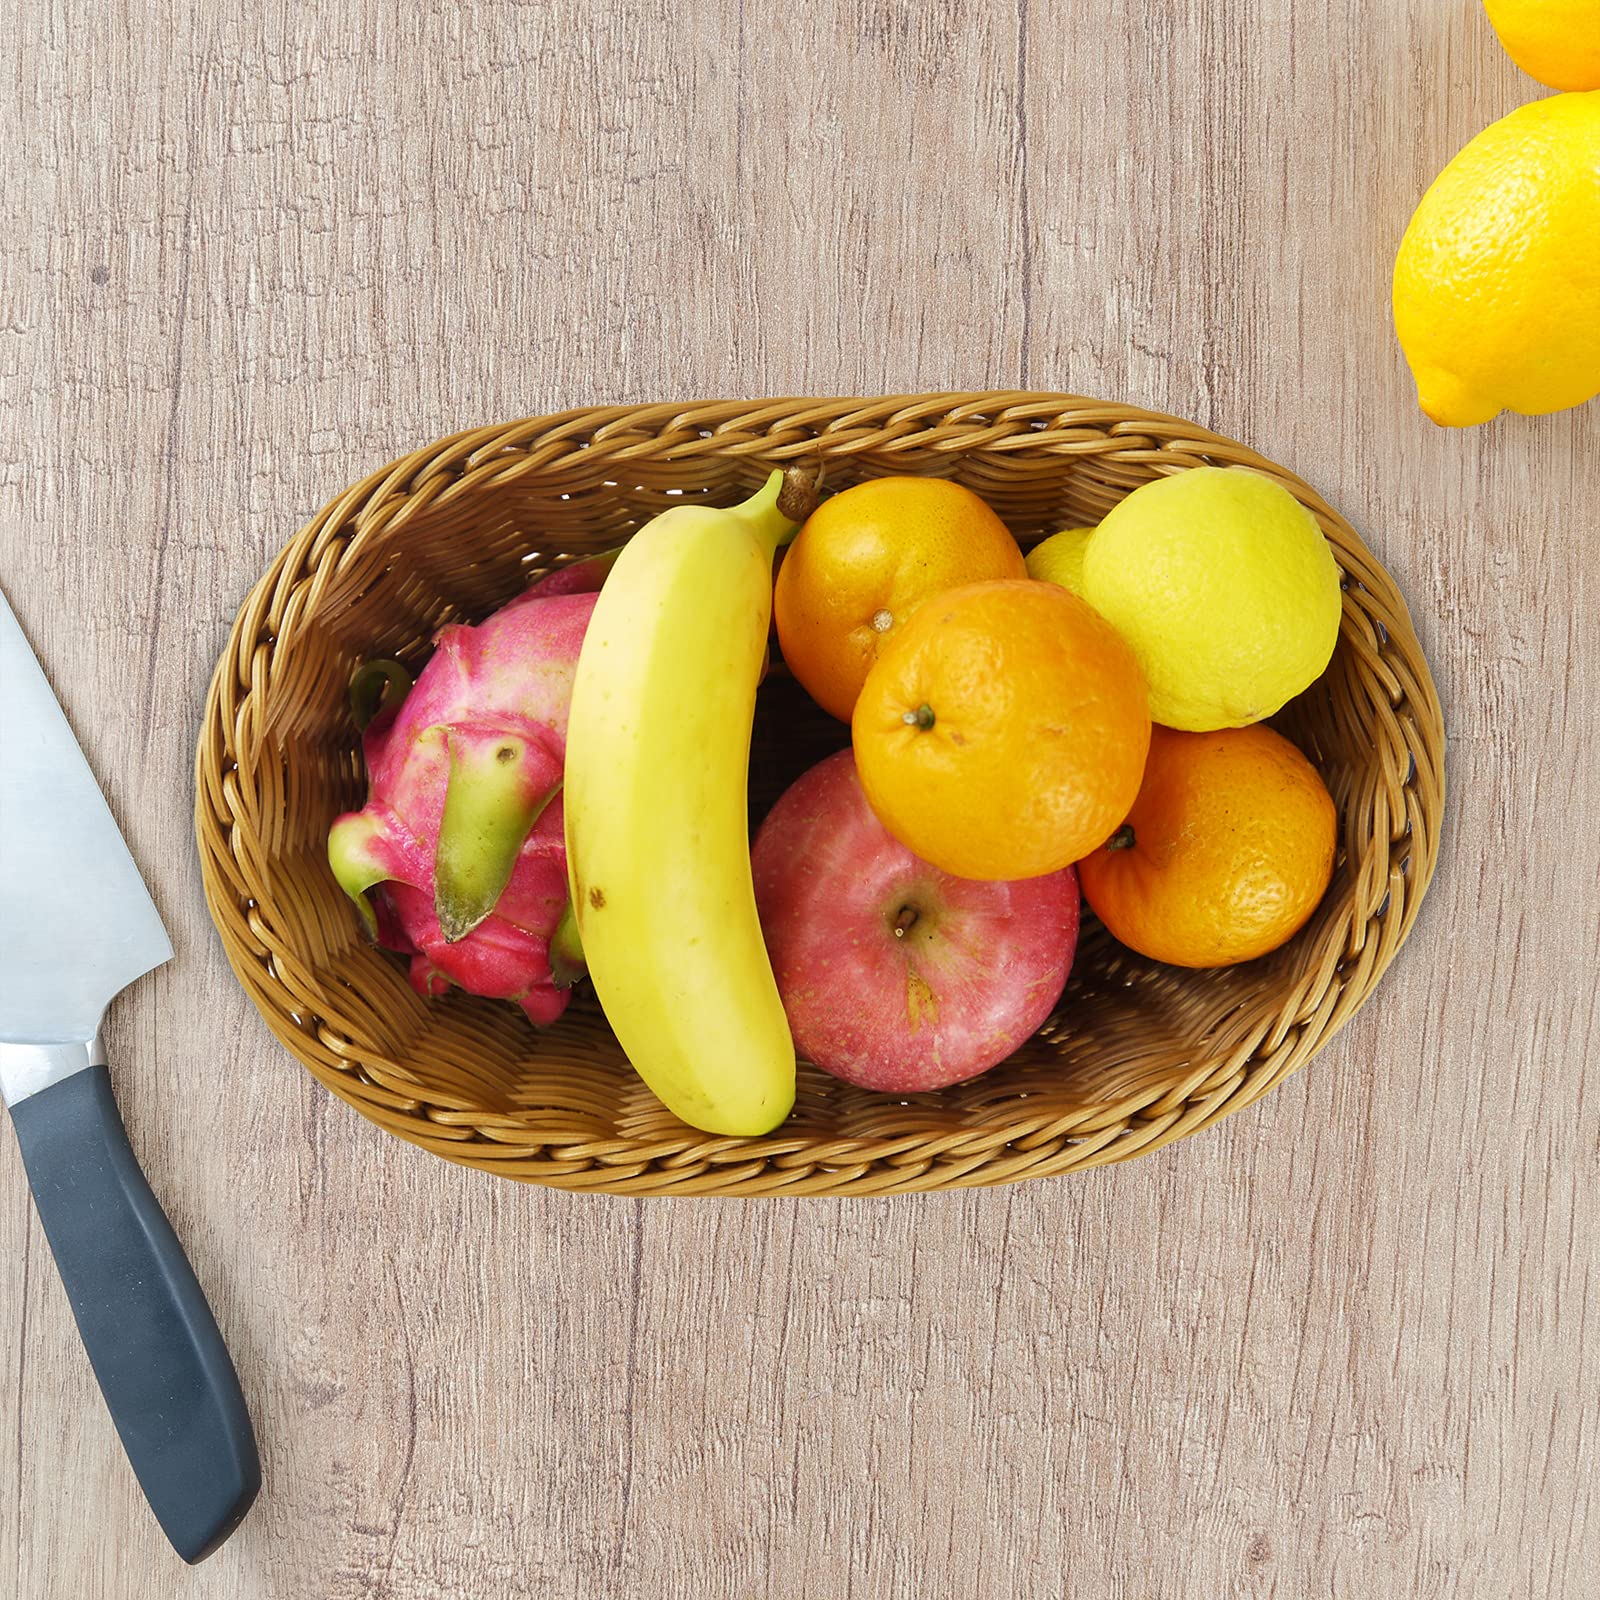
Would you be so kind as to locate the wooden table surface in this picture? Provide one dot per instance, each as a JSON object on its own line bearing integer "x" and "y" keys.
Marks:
{"x": 1342, "y": 1345}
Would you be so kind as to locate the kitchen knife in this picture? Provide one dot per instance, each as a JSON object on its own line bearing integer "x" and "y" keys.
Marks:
{"x": 77, "y": 926}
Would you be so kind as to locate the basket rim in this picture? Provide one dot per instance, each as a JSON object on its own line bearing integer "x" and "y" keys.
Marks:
{"x": 776, "y": 430}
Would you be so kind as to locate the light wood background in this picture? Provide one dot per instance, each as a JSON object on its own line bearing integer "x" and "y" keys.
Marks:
{"x": 1344, "y": 1345}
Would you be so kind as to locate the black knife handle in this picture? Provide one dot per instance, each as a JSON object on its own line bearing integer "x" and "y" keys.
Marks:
{"x": 151, "y": 1337}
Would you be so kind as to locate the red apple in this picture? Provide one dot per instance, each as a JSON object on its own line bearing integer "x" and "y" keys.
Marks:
{"x": 895, "y": 975}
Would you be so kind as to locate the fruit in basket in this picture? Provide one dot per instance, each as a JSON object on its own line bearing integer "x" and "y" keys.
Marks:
{"x": 1555, "y": 41}
{"x": 657, "y": 817}
{"x": 1497, "y": 280}
{"x": 897, "y": 976}
{"x": 1002, "y": 734}
{"x": 865, "y": 561}
{"x": 1059, "y": 559}
{"x": 1226, "y": 589}
{"x": 458, "y": 859}
{"x": 1225, "y": 854}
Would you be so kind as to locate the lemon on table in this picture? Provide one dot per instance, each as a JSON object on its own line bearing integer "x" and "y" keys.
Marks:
{"x": 1059, "y": 559}
{"x": 1497, "y": 281}
{"x": 1555, "y": 41}
{"x": 1225, "y": 587}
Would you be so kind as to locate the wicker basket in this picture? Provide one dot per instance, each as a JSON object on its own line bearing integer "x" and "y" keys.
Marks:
{"x": 1138, "y": 1054}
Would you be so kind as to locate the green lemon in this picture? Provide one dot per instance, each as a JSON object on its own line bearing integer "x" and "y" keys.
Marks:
{"x": 1224, "y": 586}
{"x": 1059, "y": 559}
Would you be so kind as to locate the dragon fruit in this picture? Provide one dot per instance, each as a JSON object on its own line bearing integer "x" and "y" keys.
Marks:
{"x": 458, "y": 859}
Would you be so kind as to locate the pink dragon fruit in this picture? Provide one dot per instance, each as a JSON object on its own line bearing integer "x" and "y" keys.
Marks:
{"x": 458, "y": 859}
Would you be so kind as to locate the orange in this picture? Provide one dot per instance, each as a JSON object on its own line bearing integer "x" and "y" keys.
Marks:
{"x": 1003, "y": 731}
{"x": 1225, "y": 853}
{"x": 862, "y": 565}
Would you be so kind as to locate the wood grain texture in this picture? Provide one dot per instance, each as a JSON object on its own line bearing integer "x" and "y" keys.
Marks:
{"x": 1340, "y": 1345}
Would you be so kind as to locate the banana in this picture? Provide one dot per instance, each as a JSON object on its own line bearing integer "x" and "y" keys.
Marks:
{"x": 656, "y": 807}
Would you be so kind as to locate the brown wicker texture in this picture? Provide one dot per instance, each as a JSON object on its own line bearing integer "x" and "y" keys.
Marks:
{"x": 1137, "y": 1055}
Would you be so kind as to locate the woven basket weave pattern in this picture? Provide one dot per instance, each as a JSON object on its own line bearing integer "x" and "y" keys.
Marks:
{"x": 1137, "y": 1055}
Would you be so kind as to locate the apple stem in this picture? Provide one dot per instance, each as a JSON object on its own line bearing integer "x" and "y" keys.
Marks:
{"x": 905, "y": 920}
{"x": 1122, "y": 839}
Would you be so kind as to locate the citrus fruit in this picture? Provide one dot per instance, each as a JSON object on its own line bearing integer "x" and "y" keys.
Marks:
{"x": 1225, "y": 854}
{"x": 1497, "y": 280}
{"x": 1224, "y": 586}
{"x": 1003, "y": 730}
{"x": 1059, "y": 559}
{"x": 863, "y": 563}
{"x": 1555, "y": 41}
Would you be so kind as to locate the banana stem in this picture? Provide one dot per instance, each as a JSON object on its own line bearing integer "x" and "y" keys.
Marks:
{"x": 776, "y": 510}
{"x": 802, "y": 488}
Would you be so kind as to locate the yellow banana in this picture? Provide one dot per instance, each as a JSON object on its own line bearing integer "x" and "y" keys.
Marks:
{"x": 657, "y": 818}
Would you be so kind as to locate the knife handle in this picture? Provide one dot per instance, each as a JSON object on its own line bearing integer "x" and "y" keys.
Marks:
{"x": 152, "y": 1340}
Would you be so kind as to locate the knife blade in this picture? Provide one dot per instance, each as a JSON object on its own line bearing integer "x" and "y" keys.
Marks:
{"x": 77, "y": 926}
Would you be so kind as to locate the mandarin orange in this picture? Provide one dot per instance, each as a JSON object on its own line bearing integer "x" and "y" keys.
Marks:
{"x": 865, "y": 561}
{"x": 1225, "y": 853}
{"x": 1002, "y": 732}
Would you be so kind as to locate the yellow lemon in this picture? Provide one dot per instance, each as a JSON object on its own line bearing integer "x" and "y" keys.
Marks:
{"x": 1555, "y": 41}
{"x": 1059, "y": 559}
{"x": 1225, "y": 587}
{"x": 1497, "y": 283}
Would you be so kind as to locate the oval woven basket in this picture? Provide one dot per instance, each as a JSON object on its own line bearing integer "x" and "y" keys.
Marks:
{"x": 1137, "y": 1055}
